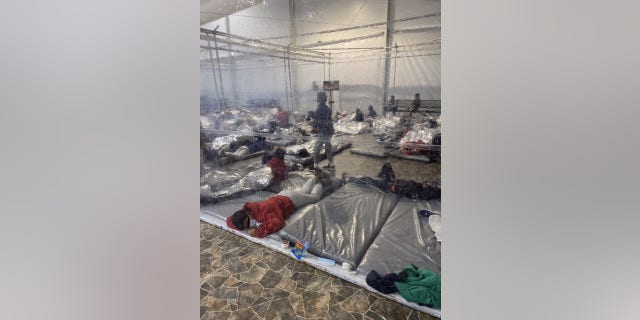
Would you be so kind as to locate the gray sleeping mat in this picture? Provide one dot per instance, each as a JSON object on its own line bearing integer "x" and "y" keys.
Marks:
{"x": 405, "y": 238}
{"x": 342, "y": 225}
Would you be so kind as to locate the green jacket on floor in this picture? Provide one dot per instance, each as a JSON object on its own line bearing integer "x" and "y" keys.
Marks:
{"x": 422, "y": 286}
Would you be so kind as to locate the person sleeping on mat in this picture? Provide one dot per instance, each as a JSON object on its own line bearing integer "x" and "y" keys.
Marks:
{"x": 408, "y": 188}
{"x": 271, "y": 213}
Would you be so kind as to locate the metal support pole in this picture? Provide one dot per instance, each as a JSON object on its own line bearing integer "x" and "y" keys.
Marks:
{"x": 293, "y": 37}
{"x": 215, "y": 81}
{"x": 395, "y": 69}
{"x": 215, "y": 43}
{"x": 234, "y": 67}
{"x": 291, "y": 85}
{"x": 286, "y": 86}
{"x": 324, "y": 69}
{"x": 391, "y": 12}
{"x": 330, "y": 91}
{"x": 329, "y": 65}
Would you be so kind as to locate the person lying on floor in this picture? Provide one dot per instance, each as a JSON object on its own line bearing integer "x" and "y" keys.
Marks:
{"x": 271, "y": 213}
{"x": 408, "y": 188}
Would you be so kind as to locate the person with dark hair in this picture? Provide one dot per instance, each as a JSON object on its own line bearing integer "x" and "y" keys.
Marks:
{"x": 324, "y": 126}
{"x": 392, "y": 105}
{"x": 277, "y": 165}
{"x": 372, "y": 112}
{"x": 310, "y": 115}
{"x": 271, "y": 213}
{"x": 386, "y": 173}
{"x": 415, "y": 104}
{"x": 359, "y": 115}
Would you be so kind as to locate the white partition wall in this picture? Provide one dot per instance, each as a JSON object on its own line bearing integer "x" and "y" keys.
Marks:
{"x": 351, "y": 35}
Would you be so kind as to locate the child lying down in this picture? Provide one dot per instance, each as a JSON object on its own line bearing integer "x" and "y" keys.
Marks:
{"x": 271, "y": 213}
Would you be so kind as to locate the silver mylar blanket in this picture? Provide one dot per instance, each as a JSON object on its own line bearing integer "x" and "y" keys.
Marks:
{"x": 217, "y": 186}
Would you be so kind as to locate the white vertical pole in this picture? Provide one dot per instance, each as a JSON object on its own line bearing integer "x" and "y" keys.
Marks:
{"x": 213, "y": 70}
{"x": 215, "y": 42}
{"x": 391, "y": 12}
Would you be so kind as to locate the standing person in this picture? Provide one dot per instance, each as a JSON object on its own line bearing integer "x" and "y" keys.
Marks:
{"x": 392, "y": 105}
{"x": 415, "y": 104}
{"x": 271, "y": 213}
{"x": 324, "y": 126}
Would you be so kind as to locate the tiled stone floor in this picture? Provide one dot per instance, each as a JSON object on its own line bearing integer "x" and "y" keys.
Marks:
{"x": 243, "y": 280}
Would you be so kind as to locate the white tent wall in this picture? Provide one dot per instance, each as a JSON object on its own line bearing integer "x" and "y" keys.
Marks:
{"x": 266, "y": 82}
{"x": 360, "y": 71}
{"x": 418, "y": 73}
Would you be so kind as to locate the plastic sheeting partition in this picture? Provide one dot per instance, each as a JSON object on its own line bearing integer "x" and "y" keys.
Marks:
{"x": 405, "y": 238}
{"x": 358, "y": 53}
{"x": 343, "y": 225}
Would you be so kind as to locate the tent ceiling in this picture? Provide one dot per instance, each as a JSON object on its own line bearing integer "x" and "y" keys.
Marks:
{"x": 211, "y": 10}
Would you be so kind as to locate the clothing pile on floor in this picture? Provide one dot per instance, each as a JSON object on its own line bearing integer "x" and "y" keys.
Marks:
{"x": 414, "y": 284}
